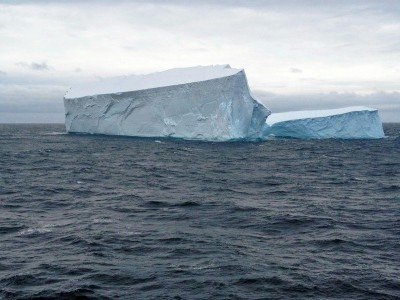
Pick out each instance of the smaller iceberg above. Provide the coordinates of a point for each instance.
(343, 123)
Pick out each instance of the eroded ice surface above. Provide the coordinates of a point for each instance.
(343, 123)
(207, 103)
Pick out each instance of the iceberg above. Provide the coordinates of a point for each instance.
(343, 123)
(210, 103)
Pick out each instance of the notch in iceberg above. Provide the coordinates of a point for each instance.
(344, 123)
(206, 103)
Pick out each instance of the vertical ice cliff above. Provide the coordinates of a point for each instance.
(206, 103)
(344, 123)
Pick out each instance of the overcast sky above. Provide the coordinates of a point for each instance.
(296, 54)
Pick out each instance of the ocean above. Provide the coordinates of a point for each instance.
(104, 217)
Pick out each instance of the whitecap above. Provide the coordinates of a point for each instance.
(102, 221)
(34, 231)
(54, 133)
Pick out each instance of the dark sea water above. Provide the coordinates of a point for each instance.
(97, 217)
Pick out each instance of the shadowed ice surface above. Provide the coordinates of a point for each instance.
(105, 217)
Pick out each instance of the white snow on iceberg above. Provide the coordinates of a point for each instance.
(344, 123)
(207, 103)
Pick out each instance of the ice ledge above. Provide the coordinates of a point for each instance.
(307, 114)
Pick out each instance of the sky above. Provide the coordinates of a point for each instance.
(297, 54)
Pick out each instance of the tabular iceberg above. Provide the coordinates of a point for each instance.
(343, 123)
(206, 103)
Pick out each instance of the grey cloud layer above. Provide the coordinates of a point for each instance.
(34, 66)
(296, 70)
(303, 48)
(386, 103)
(252, 3)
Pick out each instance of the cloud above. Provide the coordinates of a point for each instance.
(3, 74)
(295, 70)
(31, 98)
(294, 4)
(32, 117)
(39, 66)
(345, 46)
(34, 66)
(32, 107)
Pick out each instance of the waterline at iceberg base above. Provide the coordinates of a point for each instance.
(210, 103)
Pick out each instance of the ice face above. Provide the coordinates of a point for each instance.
(344, 123)
(205, 103)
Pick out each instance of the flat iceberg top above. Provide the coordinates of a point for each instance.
(308, 114)
(159, 79)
